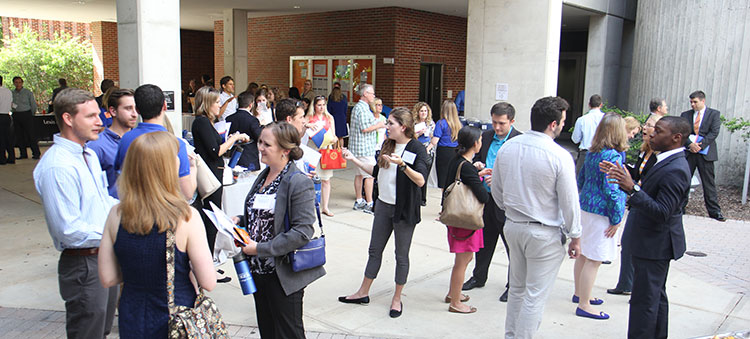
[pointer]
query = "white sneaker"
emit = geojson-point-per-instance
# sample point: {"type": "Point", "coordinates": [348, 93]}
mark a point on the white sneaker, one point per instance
{"type": "Point", "coordinates": [368, 209]}
{"type": "Point", "coordinates": [359, 205]}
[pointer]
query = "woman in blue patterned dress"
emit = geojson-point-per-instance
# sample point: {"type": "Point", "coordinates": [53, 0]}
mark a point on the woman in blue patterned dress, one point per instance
{"type": "Point", "coordinates": [602, 208]}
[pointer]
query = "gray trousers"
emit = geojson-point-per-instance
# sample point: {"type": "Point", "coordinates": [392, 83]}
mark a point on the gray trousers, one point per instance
{"type": "Point", "coordinates": [536, 253]}
{"type": "Point", "coordinates": [89, 307]}
{"type": "Point", "coordinates": [382, 227]}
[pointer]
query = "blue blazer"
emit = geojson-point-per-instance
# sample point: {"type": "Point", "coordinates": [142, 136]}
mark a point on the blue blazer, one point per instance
{"type": "Point", "coordinates": [656, 212]}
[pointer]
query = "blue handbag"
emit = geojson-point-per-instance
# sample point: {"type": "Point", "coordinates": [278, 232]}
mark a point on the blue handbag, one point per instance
{"type": "Point", "coordinates": [312, 254]}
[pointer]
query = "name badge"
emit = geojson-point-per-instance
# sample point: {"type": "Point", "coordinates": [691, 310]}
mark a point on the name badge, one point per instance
{"type": "Point", "coordinates": [409, 157]}
{"type": "Point", "coordinates": [264, 202]}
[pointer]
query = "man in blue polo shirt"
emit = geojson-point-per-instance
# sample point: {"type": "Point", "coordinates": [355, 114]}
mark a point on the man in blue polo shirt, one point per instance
{"type": "Point", "coordinates": [150, 104]}
{"type": "Point", "coordinates": [121, 107]}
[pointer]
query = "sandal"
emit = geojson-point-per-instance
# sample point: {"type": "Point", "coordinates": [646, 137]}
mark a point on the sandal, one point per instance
{"type": "Point", "coordinates": [327, 213]}
{"type": "Point", "coordinates": [452, 309]}
{"type": "Point", "coordinates": [464, 298]}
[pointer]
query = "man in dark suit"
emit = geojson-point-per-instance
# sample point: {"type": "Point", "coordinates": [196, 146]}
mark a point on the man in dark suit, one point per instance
{"type": "Point", "coordinates": [245, 122]}
{"type": "Point", "coordinates": [706, 125]}
{"type": "Point", "coordinates": [655, 220]}
{"type": "Point", "coordinates": [503, 116]}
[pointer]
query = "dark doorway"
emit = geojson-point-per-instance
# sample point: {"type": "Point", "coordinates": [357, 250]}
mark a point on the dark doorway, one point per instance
{"type": "Point", "coordinates": [570, 81]}
{"type": "Point", "coordinates": [431, 87]}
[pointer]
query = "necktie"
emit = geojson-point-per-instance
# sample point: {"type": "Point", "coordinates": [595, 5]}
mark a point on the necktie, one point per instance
{"type": "Point", "coordinates": [697, 123]}
{"type": "Point", "coordinates": [643, 163]}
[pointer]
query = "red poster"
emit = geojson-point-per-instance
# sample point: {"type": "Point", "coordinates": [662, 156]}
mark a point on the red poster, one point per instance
{"type": "Point", "coordinates": [299, 74]}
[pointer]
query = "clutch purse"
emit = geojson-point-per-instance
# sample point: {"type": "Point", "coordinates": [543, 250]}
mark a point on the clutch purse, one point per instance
{"type": "Point", "coordinates": [207, 182]}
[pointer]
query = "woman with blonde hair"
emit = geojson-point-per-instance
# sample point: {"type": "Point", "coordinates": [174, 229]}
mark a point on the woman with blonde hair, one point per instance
{"type": "Point", "coordinates": [602, 208]}
{"type": "Point", "coordinates": [133, 249]}
{"type": "Point", "coordinates": [337, 106]}
{"type": "Point", "coordinates": [424, 127]}
{"type": "Point", "coordinates": [444, 140]}
{"type": "Point", "coordinates": [209, 145]}
{"type": "Point", "coordinates": [646, 160]}
{"type": "Point", "coordinates": [376, 106]}
{"type": "Point", "coordinates": [400, 170]}
{"type": "Point", "coordinates": [317, 118]}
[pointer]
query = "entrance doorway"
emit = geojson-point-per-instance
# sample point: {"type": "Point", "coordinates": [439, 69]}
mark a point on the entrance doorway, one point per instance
{"type": "Point", "coordinates": [431, 87]}
{"type": "Point", "coordinates": [570, 81]}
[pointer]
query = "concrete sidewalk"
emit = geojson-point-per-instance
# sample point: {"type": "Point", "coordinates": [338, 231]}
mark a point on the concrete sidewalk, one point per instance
{"type": "Point", "coordinates": [707, 294]}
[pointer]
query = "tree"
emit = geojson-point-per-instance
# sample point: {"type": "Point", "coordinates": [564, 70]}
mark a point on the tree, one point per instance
{"type": "Point", "coordinates": [40, 62]}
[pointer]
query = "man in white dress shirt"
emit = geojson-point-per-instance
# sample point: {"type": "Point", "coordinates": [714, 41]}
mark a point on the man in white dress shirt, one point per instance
{"type": "Point", "coordinates": [585, 128]}
{"type": "Point", "coordinates": [540, 198]}
{"type": "Point", "coordinates": [227, 100]}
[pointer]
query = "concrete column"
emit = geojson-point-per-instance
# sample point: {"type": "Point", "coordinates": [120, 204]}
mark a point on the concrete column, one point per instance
{"type": "Point", "coordinates": [516, 43]}
{"type": "Point", "coordinates": [603, 58]}
{"type": "Point", "coordinates": [149, 48]}
{"type": "Point", "coordinates": [235, 48]}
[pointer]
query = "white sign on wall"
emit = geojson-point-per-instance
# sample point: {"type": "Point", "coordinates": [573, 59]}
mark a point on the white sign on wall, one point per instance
{"type": "Point", "coordinates": [501, 91]}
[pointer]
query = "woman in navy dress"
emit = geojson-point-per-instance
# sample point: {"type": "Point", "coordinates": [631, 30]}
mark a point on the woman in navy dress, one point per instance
{"type": "Point", "coordinates": [337, 106]}
{"type": "Point", "coordinates": [133, 246]}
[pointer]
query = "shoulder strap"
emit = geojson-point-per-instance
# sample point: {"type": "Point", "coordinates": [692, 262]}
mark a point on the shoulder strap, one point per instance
{"type": "Point", "coordinates": [170, 270]}
{"type": "Point", "coordinates": [458, 171]}
{"type": "Point", "coordinates": [287, 224]}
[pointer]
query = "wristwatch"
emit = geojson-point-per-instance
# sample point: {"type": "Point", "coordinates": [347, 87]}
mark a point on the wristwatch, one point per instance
{"type": "Point", "coordinates": [635, 189]}
{"type": "Point", "coordinates": [402, 167]}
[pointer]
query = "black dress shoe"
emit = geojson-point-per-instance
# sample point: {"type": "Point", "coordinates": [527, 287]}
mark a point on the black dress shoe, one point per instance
{"type": "Point", "coordinates": [471, 284]}
{"type": "Point", "coordinates": [224, 280]}
{"type": "Point", "coordinates": [394, 313]}
{"type": "Point", "coordinates": [361, 301]}
{"type": "Point", "coordinates": [618, 291]}
{"type": "Point", "coordinates": [35, 156]}
{"type": "Point", "coordinates": [504, 297]}
{"type": "Point", "coordinates": [719, 217]}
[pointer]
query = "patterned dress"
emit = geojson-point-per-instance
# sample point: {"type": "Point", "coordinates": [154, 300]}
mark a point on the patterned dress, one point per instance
{"type": "Point", "coordinates": [260, 224]}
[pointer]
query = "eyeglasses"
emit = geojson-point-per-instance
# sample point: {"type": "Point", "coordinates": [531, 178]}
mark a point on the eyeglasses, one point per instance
{"type": "Point", "coordinates": [320, 97]}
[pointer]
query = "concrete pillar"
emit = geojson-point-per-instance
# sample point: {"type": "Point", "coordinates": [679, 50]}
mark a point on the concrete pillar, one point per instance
{"type": "Point", "coordinates": [235, 48]}
{"type": "Point", "coordinates": [515, 43]}
{"type": "Point", "coordinates": [149, 48]}
{"type": "Point", "coordinates": [603, 58]}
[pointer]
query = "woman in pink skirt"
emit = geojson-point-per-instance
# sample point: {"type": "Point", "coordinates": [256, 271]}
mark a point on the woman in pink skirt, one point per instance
{"type": "Point", "coordinates": [461, 241]}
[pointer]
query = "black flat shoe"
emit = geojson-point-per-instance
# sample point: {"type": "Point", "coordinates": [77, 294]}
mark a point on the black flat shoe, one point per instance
{"type": "Point", "coordinates": [360, 301]}
{"type": "Point", "coordinates": [224, 280]}
{"type": "Point", "coordinates": [618, 291]}
{"type": "Point", "coordinates": [504, 297]}
{"type": "Point", "coordinates": [471, 284]}
{"type": "Point", "coordinates": [395, 314]}
{"type": "Point", "coordinates": [719, 217]}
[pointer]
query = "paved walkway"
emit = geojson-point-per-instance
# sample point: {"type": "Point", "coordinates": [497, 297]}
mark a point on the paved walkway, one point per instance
{"type": "Point", "coordinates": [707, 294]}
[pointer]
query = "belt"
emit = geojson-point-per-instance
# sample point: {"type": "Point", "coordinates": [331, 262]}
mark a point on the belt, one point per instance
{"type": "Point", "coordinates": [81, 252]}
{"type": "Point", "coordinates": [526, 222]}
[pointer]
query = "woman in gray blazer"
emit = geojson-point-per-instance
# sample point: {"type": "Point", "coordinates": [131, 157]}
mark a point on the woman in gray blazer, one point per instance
{"type": "Point", "coordinates": [278, 191]}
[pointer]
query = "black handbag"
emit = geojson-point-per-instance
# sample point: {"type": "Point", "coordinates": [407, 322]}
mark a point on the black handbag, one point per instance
{"type": "Point", "coordinates": [312, 254]}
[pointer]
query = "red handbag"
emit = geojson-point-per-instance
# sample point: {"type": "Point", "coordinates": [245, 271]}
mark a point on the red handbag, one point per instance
{"type": "Point", "coordinates": [332, 158]}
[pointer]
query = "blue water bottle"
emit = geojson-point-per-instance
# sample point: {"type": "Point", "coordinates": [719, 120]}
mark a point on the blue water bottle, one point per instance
{"type": "Point", "coordinates": [316, 182]}
{"type": "Point", "coordinates": [235, 156]}
{"type": "Point", "coordinates": [243, 273]}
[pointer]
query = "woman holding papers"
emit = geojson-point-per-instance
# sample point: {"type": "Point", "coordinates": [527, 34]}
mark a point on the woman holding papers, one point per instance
{"type": "Point", "coordinates": [133, 247]}
{"type": "Point", "coordinates": [261, 109]}
{"type": "Point", "coordinates": [209, 145]}
{"type": "Point", "coordinates": [280, 190]}
{"type": "Point", "coordinates": [401, 170]}
{"type": "Point", "coordinates": [322, 131]}
{"type": "Point", "coordinates": [423, 128]}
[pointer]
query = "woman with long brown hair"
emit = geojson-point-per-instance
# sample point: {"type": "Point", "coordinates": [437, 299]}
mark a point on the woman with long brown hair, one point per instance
{"type": "Point", "coordinates": [401, 170]}
{"type": "Point", "coordinates": [317, 118]}
{"type": "Point", "coordinates": [133, 247]}
{"type": "Point", "coordinates": [444, 140]}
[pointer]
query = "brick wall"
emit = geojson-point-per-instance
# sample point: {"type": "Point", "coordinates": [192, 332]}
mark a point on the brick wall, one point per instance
{"type": "Point", "coordinates": [218, 51]}
{"type": "Point", "coordinates": [104, 39]}
{"type": "Point", "coordinates": [409, 36]}
{"type": "Point", "coordinates": [46, 28]}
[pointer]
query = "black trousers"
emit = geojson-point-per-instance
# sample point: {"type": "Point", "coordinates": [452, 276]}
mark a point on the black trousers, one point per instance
{"type": "Point", "coordinates": [649, 307]}
{"type": "Point", "coordinates": [706, 172]}
{"type": "Point", "coordinates": [89, 307]}
{"type": "Point", "coordinates": [279, 315]}
{"type": "Point", "coordinates": [7, 140]}
{"type": "Point", "coordinates": [24, 128]}
{"type": "Point", "coordinates": [494, 223]}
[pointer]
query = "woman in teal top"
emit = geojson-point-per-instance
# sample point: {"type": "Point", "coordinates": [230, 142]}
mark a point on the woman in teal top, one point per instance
{"type": "Point", "coordinates": [602, 208]}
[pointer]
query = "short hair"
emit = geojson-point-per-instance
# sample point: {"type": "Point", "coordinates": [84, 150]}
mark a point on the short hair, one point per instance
{"type": "Point", "coordinates": [655, 103]}
{"type": "Point", "coordinates": [17, 77]}
{"type": "Point", "coordinates": [698, 94]}
{"type": "Point", "coordinates": [245, 99]}
{"type": "Point", "coordinates": [114, 98]}
{"type": "Point", "coordinates": [375, 102]}
{"type": "Point", "coordinates": [546, 110]}
{"type": "Point", "coordinates": [503, 108]}
{"type": "Point", "coordinates": [467, 137]}
{"type": "Point", "coordinates": [224, 80]}
{"type": "Point", "coordinates": [68, 100]}
{"type": "Point", "coordinates": [106, 84]}
{"type": "Point", "coordinates": [62, 82]}
{"type": "Point", "coordinates": [204, 98]}
{"type": "Point", "coordinates": [595, 101]}
{"type": "Point", "coordinates": [678, 125]}
{"type": "Point", "coordinates": [149, 100]}
{"type": "Point", "coordinates": [287, 137]}
{"type": "Point", "coordinates": [287, 108]}
{"type": "Point", "coordinates": [610, 134]}
{"type": "Point", "coordinates": [364, 87]}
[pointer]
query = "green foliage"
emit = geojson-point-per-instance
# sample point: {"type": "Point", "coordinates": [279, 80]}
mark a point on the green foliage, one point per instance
{"type": "Point", "coordinates": [41, 62]}
{"type": "Point", "coordinates": [737, 124]}
{"type": "Point", "coordinates": [637, 141]}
